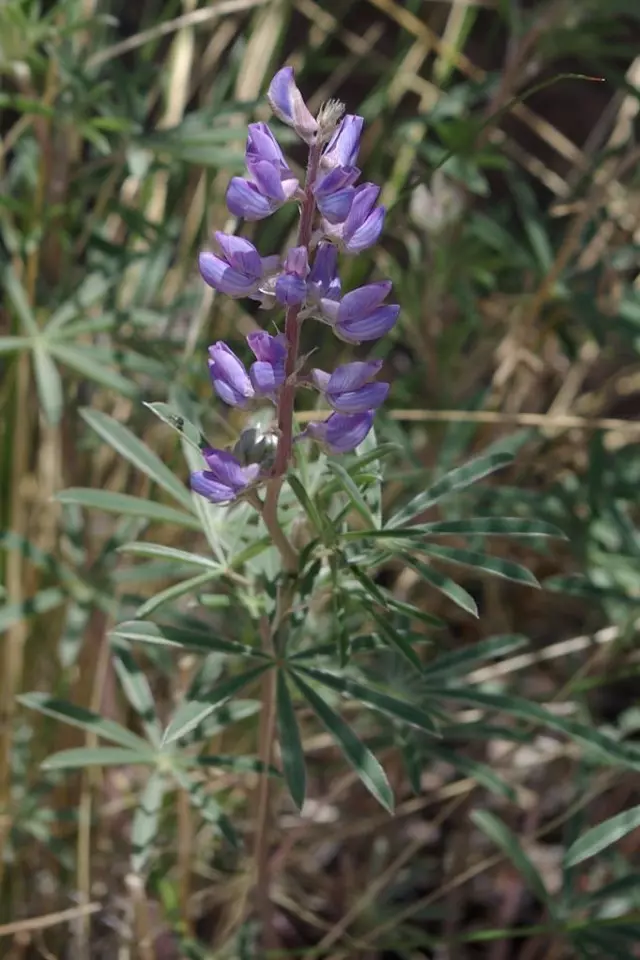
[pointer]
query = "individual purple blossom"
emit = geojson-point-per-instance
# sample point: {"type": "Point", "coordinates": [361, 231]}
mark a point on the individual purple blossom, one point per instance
{"type": "Point", "coordinates": [272, 183]}
{"type": "Point", "coordinates": [342, 149]}
{"type": "Point", "coordinates": [334, 193]}
{"type": "Point", "coordinates": [364, 223]}
{"type": "Point", "coordinates": [288, 105]}
{"type": "Point", "coordinates": [291, 285]}
{"type": "Point", "coordinates": [323, 281]}
{"type": "Point", "coordinates": [239, 270]}
{"type": "Point", "coordinates": [225, 478]}
{"type": "Point", "coordinates": [361, 314]}
{"type": "Point", "coordinates": [341, 433]}
{"type": "Point", "coordinates": [267, 374]}
{"type": "Point", "coordinates": [228, 375]}
{"type": "Point", "coordinates": [349, 389]}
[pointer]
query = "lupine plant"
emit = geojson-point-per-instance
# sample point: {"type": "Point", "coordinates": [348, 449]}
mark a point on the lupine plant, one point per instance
{"type": "Point", "coordinates": [299, 537]}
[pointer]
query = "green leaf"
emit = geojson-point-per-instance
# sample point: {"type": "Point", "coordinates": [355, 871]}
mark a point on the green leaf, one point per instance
{"type": "Point", "coordinates": [207, 804]}
{"type": "Point", "coordinates": [291, 748]}
{"type": "Point", "coordinates": [402, 710]}
{"type": "Point", "coordinates": [398, 639]}
{"type": "Point", "coordinates": [173, 592]}
{"type": "Point", "coordinates": [307, 503]}
{"type": "Point", "coordinates": [91, 365]}
{"type": "Point", "coordinates": [91, 290]}
{"type": "Point", "coordinates": [146, 819]}
{"type": "Point", "coordinates": [79, 757]}
{"type": "Point", "coordinates": [143, 549]}
{"type": "Point", "coordinates": [456, 663]}
{"type": "Point", "coordinates": [125, 504]}
{"type": "Point", "coordinates": [491, 526]}
{"type": "Point", "coordinates": [497, 831]}
{"type": "Point", "coordinates": [187, 430]}
{"type": "Point", "coordinates": [444, 584]}
{"type": "Point", "coordinates": [42, 602]}
{"type": "Point", "coordinates": [11, 344]}
{"type": "Point", "coordinates": [18, 299]}
{"type": "Point", "coordinates": [137, 690]}
{"type": "Point", "coordinates": [235, 764]}
{"type": "Point", "coordinates": [182, 638]}
{"type": "Point", "coordinates": [604, 835]}
{"type": "Point", "coordinates": [359, 756]}
{"type": "Point", "coordinates": [137, 453]}
{"type": "Point", "coordinates": [457, 479]}
{"type": "Point", "coordinates": [191, 713]}
{"type": "Point", "coordinates": [497, 566]}
{"type": "Point", "coordinates": [351, 490]}
{"type": "Point", "coordinates": [468, 767]}
{"type": "Point", "coordinates": [84, 719]}
{"type": "Point", "coordinates": [49, 384]}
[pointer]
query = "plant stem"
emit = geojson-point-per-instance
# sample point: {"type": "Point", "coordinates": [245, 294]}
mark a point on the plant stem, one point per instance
{"type": "Point", "coordinates": [264, 807]}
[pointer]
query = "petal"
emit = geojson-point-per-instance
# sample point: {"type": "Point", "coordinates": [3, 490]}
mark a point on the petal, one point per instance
{"type": "Point", "coordinates": [342, 149]}
{"type": "Point", "coordinates": [240, 253]}
{"type": "Point", "coordinates": [287, 104]}
{"type": "Point", "coordinates": [297, 262]}
{"type": "Point", "coordinates": [245, 200]}
{"type": "Point", "coordinates": [269, 265]}
{"type": "Point", "coordinates": [368, 397]}
{"type": "Point", "coordinates": [323, 270]}
{"type": "Point", "coordinates": [366, 235]}
{"type": "Point", "coordinates": [290, 289]}
{"type": "Point", "coordinates": [266, 348]}
{"type": "Point", "coordinates": [228, 394]}
{"type": "Point", "coordinates": [320, 379]}
{"type": "Point", "coordinates": [204, 483]}
{"type": "Point", "coordinates": [329, 310]}
{"type": "Point", "coordinates": [336, 179]}
{"type": "Point", "coordinates": [371, 327]}
{"type": "Point", "coordinates": [266, 378]}
{"type": "Point", "coordinates": [363, 204]}
{"type": "Point", "coordinates": [225, 468]}
{"type": "Point", "coordinates": [352, 376]}
{"type": "Point", "coordinates": [218, 274]}
{"type": "Point", "coordinates": [267, 178]}
{"type": "Point", "coordinates": [363, 300]}
{"type": "Point", "coordinates": [342, 433]}
{"type": "Point", "coordinates": [262, 145]}
{"type": "Point", "coordinates": [229, 376]}
{"type": "Point", "coordinates": [335, 207]}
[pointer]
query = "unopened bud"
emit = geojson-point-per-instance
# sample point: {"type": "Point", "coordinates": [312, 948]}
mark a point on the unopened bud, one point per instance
{"type": "Point", "coordinates": [257, 446]}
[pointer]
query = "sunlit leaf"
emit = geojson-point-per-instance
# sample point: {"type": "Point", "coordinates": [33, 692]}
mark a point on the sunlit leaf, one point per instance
{"type": "Point", "coordinates": [191, 713]}
{"type": "Point", "coordinates": [182, 638]}
{"type": "Point", "coordinates": [144, 826]}
{"type": "Point", "coordinates": [84, 719]}
{"type": "Point", "coordinates": [444, 584]}
{"type": "Point", "coordinates": [604, 835]}
{"type": "Point", "coordinates": [80, 757]}
{"type": "Point", "coordinates": [496, 566]}
{"type": "Point", "coordinates": [125, 504]}
{"type": "Point", "coordinates": [49, 384]}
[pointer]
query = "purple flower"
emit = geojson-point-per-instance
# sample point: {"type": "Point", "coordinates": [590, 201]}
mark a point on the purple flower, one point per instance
{"type": "Point", "coordinates": [364, 223]}
{"type": "Point", "coordinates": [225, 479]}
{"type": "Point", "coordinates": [229, 378]}
{"type": "Point", "coordinates": [349, 388]}
{"type": "Point", "coordinates": [287, 104]}
{"type": "Point", "coordinates": [291, 285]}
{"type": "Point", "coordinates": [240, 269]}
{"type": "Point", "coordinates": [361, 315]}
{"type": "Point", "coordinates": [334, 193]}
{"type": "Point", "coordinates": [341, 433]}
{"type": "Point", "coordinates": [342, 149]}
{"type": "Point", "coordinates": [272, 182]}
{"type": "Point", "coordinates": [268, 372]}
{"type": "Point", "coordinates": [323, 280]}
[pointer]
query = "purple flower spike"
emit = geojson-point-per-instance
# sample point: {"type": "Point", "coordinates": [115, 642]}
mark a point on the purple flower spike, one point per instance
{"type": "Point", "coordinates": [268, 372]}
{"type": "Point", "coordinates": [287, 104]}
{"type": "Point", "coordinates": [349, 388]}
{"type": "Point", "coordinates": [324, 281]}
{"type": "Point", "coordinates": [228, 376]}
{"type": "Point", "coordinates": [240, 269]}
{"type": "Point", "coordinates": [341, 433]}
{"type": "Point", "coordinates": [342, 149]}
{"type": "Point", "coordinates": [291, 286]}
{"type": "Point", "coordinates": [225, 479]}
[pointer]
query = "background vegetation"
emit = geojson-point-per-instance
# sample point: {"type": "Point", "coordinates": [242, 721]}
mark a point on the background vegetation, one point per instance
{"type": "Point", "coordinates": [516, 265]}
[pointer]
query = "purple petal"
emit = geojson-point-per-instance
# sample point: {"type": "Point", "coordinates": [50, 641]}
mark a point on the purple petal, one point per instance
{"type": "Point", "coordinates": [342, 149]}
{"type": "Point", "coordinates": [218, 274]}
{"type": "Point", "coordinates": [323, 271]}
{"type": "Point", "coordinates": [341, 433]}
{"type": "Point", "coordinates": [297, 262]}
{"type": "Point", "coordinates": [266, 348]}
{"type": "Point", "coordinates": [335, 207]}
{"type": "Point", "coordinates": [368, 397]}
{"type": "Point", "coordinates": [371, 327]}
{"type": "Point", "coordinates": [270, 265]}
{"type": "Point", "coordinates": [363, 204]}
{"type": "Point", "coordinates": [245, 200]}
{"type": "Point", "coordinates": [268, 180]}
{"type": "Point", "coordinates": [262, 145]}
{"type": "Point", "coordinates": [290, 289]}
{"type": "Point", "coordinates": [228, 375]}
{"type": "Point", "coordinates": [320, 379]}
{"type": "Point", "coordinates": [363, 300]}
{"type": "Point", "coordinates": [367, 234]}
{"type": "Point", "coordinates": [266, 378]}
{"type": "Point", "coordinates": [227, 470]}
{"type": "Point", "coordinates": [336, 179]}
{"type": "Point", "coordinates": [204, 483]}
{"type": "Point", "coordinates": [287, 104]}
{"type": "Point", "coordinates": [329, 310]}
{"type": "Point", "coordinates": [352, 376]}
{"type": "Point", "coordinates": [240, 253]}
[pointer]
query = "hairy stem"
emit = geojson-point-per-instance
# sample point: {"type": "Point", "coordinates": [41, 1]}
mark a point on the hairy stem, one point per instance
{"type": "Point", "coordinates": [263, 812]}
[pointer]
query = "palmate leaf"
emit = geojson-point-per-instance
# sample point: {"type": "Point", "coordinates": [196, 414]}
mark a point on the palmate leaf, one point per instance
{"type": "Point", "coordinates": [496, 566]}
{"type": "Point", "coordinates": [80, 757]}
{"type": "Point", "coordinates": [445, 585]}
{"type": "Point", "coordinates": [602, 836]}
{"type": "Point", "coordinates": [126, 505]}
{"type": "Point", "coordinates": [144, 549]}
{"type": "Point", "coordinates": [173, 592]}
{"type": "Point", "coordinates": [388, 632]}
{"type": "Point", "coordinates": [457, 479]}
{"type": "Point", "coordinates": [84, 719]}
{"type": "Point", "coordinates": [497, 831]}
{"type": "Point", "coordinates": [291, 749]}
{"type": "Point", "coordinates": [144, 827]}
{"type": "Point", "coordinates": [49, 384]}
{"type": "Point", "coordinates": [187, 637]}
{"type": "Point", "coordinates": [91, 364]}
{"type": "Point", "coordinates": [402, 710]}
{"type": "Point", "coordinates": [137, 453]}
{"type": "Point", "coordinates": [359, 756]}
{"type": "Point", "coordinates": [137, 690]}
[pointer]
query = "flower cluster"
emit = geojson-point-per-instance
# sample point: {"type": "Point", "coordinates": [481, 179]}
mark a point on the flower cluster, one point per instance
{"type": "Point", "coordinates": [336, 216]}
